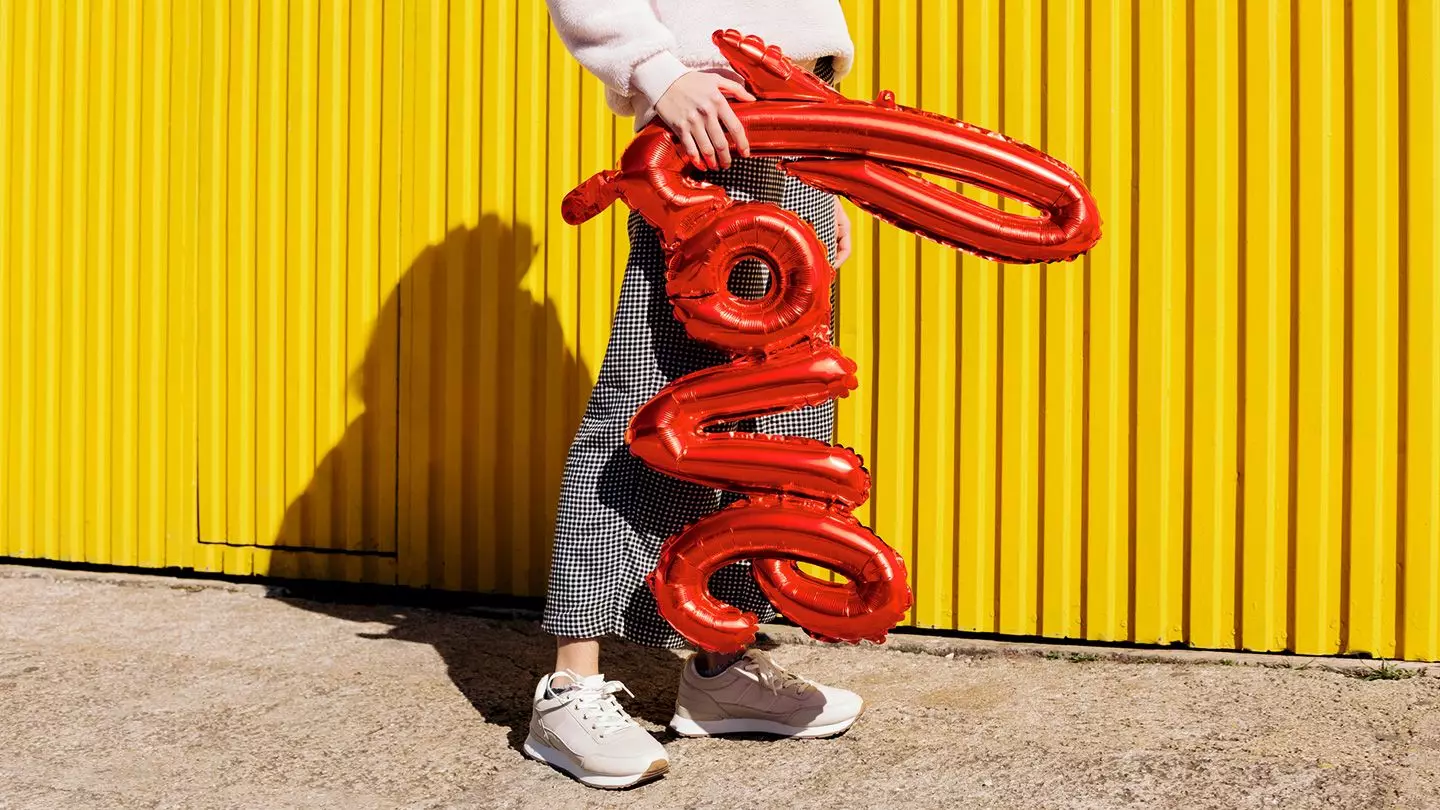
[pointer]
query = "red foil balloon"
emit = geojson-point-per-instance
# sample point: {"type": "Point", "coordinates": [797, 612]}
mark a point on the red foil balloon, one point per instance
{"type": "Point", "coordinates": [800, 492]}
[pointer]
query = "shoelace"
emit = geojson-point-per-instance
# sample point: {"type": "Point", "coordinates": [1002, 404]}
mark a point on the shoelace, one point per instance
{"type": "Point", "coordinates": [772, 676]}
{"type": "Point", "coordinates": [598, 706]}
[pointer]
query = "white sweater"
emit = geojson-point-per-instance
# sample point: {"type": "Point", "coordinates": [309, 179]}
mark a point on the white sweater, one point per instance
{"type": "Point", "coordinates": [639, 47]}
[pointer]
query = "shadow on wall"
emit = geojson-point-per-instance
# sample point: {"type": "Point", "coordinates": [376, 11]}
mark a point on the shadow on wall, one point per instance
{"type": "Point", "coordinates": [422, 423]}
{"type": "Point", "coordinates": [459, 348]}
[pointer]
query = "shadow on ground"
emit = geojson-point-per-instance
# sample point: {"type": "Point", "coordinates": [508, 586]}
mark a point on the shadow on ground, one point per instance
{"type": "Point", "coordinates": [496, 663]}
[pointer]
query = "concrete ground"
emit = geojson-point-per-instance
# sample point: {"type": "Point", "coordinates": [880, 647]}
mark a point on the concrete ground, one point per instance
{"type": "Point", "coordinates": [122, 691]}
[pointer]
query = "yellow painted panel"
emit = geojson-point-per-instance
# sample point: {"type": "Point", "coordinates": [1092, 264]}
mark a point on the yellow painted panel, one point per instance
{"type": "Point", "coordinates": [1062, 365]}
{"type": "Point", "coordinates": [1420, 569]}
{"type": "Point", "coordinates": [531, 510]}
{"type": "Point", "coordinates": [50, 89]}
{"type": "Point", "coordinates": [237, 502]}
{"type": "Point", "coordinates": [1266, 321]}
{"type": "Point", "coordinates": [213, 141]}
{"type": "Point", "coordinates": [938, 315]}
{"type": "Point", "coordinates": [1109, 532]}
{"type": "Point", "coordinates": [1162, 340]}
{"type": "Point", "coordinates": [1215, 357]}
{"type": "Point", "coordinates": [854, 318]}
{"type": "Point", "coordinates": [980, 94]}
{"type": "Point", "coordinates": [286, 292]}
{"type": "Point", "coordinates": [1321, 285]}
{"type": "Point", "coordinates": [70, 274]}
{"type": "Point", "coordinates": [504, 355]}
{"type": "Point", "coordinates": [1019, 345]}
{"type": "Point", "coordinates": [892, 460]}
{"type": "Point", "coordinates": [8, 304]}
{"type": "Point", "coordinates": [99, 216]}
{"type": "Point", "coordinates": [1375, 286]}
{"type": "Point", "coordinates": [125, 540]}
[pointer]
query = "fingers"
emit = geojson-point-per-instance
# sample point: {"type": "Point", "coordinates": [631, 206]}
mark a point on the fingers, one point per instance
{"type": "Point", "coordinates": [695, 127]}
{"type": "Point", "coordinates": [696, 108]}
{"type": "Point", "coordinates": [842, 234]}
{"type": "Point", "coordinates": [734, 90]}
{"type": "Point", "coordinates": [691, 150]}
{"type": "Point", "coordinates": [736, 130]}
{"type": "Point", "coordinates": [716, 131]}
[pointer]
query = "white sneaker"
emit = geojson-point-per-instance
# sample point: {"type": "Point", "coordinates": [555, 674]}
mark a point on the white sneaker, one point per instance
{"type": "Point", "coordinates": [757, 695]}
{"type": "Point", "coordinates": [584, 732]}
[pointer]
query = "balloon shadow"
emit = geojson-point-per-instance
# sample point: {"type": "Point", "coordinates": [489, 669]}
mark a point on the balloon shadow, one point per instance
{"type": "Point", "coordinates": [351, 501]}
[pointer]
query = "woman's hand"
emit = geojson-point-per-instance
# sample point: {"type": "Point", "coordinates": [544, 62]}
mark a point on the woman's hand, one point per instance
{"type": "Point", "coordinates": [842, 234]}
{"type": "Point", "coordinates": [697, 111]}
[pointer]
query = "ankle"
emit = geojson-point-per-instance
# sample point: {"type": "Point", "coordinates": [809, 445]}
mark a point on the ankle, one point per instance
{"type": "Point", "coordinates": [710, 664]}
{"type": "Point", "coordinates": [579, 657]}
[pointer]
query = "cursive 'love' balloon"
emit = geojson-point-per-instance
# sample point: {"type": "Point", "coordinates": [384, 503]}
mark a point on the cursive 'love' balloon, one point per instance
{"type": "Point", "coordinates": [801, 493]}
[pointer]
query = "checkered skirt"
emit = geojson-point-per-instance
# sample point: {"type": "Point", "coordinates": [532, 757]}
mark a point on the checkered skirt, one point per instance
{"type": "Point", "coordinates": [614, 511]}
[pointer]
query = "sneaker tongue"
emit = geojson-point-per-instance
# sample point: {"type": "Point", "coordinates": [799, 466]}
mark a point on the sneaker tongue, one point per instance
{"type": "Point", "coordinates": [592, 681]}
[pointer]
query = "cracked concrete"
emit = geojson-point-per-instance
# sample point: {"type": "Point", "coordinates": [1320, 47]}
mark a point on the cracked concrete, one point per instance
{"type": "Point", "coordinates": [122, 691]}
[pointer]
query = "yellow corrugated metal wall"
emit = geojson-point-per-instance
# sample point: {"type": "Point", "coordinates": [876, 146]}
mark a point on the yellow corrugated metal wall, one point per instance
{"type": "Point", "coordinates": [285, 290]}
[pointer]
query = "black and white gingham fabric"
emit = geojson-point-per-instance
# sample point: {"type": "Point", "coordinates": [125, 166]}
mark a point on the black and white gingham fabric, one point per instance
{"type": "Point", "coordinates": [614, 511]}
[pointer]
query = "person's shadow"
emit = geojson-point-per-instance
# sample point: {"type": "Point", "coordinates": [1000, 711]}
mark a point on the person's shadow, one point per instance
{"type": "Point", "coordinates": [352, 494]}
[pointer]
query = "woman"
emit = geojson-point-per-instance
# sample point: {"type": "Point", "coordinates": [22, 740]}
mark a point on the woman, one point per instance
{"type": "Point", "coordinates": [657, 60]}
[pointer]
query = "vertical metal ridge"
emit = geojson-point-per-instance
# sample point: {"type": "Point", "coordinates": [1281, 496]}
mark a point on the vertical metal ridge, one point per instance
{"type": "Point", "coordinates": [1348, 336]}
{"type": "Point", "coordinates": [387, 455]}
{"type": "Point", "coordinates": [50, 196]}
{"type": "Point", "coordinates": [100, 265]}
{"type": "Point", "coordinates": [534, 520]}
{"type": "Point", "coordinates": [1293, 347]}
{"type": "Point", "coordinates": [1421, 573]}
{"type": "Point", "coordinates": [1087, 307]}
{"type": "Point", "coordinates": [180, 472]}
{"type": "Point", "coordinates": [932, 556]}
{"type": "Point", "coordinates": [1065, 134]}
{"type": "Point", "coordinates": [240, 448]}
{"type": "Point", "coordinates": [272, 213]}
{"type": "Point", "coordinates": [297, 351]}
{"type": "Point", "coordinates": [23, 205]}
{"type": "Point", "coordinates": [997, 394]}
{"type": "Point", "coordinates": [153, 406]}
{"type": "Point", "coordinates": [461, 282]}
{"type": "Point", "coordinates": [559, 252]}
{"type": "Point", "coordinates": [1159, 304]}
{"type": "Point", "coordinates": [1213, 453]}
{"type": "Point", "coordinates": [7, 110]}
{"type": "Point", "coordinates": [72, 467]}
{"type": "Point", "coordinates": [372, 305]}
{"type": "Point", "coordinates": [1017, 539]}
{"type": "Point", "coordinates": [1375, 307]}
{"type": "Point", "coordinates": [1187, 429]}
{"type": "Point", "coordinates": [509, 535]}
{"type": "Point", "coordinates": [1110, 181]}
{"type": "Point", "coordinates": [1319, 416]}
{"type": "Point", "coordinates": [894, 450]}
{"type": "Point", "coordinates": [8, 273]}
{"type": "Point", "coordinates": [212, 271]}
{"type": "Point", "coordinates": [979, 355]}
{"type": "Point", "coordinates": [124, 543]}
{"type": "Point", "coordinates": [1402, 385]}
{"type": "Point", "coordinates": [1132, 345]}
{"type": "Point", "coordinates": [325, 485]}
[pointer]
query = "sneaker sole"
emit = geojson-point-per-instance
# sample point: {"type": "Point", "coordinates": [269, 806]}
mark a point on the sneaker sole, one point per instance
{"type": "Point", "coordinates": [687, 727]}
{"type": "Point", "coordinates": [563, 762]}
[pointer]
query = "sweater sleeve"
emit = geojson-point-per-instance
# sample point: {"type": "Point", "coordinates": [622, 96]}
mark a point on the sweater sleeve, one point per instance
{"type": "Point", "coordinates": [621, 42]}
